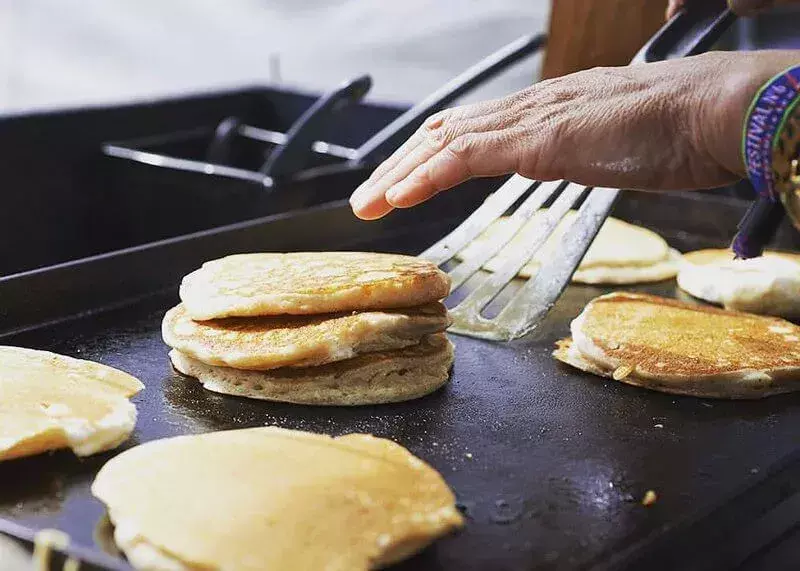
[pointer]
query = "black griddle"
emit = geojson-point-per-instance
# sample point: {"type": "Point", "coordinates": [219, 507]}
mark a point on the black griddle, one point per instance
{"type": "Point", "coordinates": [549, 464]}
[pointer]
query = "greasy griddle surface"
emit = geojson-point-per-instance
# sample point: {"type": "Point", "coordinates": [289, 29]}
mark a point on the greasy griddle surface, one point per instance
{"type": "Point", "coordinates": [548, 463]}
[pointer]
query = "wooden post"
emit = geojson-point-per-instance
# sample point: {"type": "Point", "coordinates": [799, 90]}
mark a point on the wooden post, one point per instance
{"type": "Point", "coordinates": [591, 33]}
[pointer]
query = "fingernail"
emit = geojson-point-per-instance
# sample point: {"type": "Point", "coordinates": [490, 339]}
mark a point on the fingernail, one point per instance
{"type": "Point", "coordinates": [357, 203]}
{"type": "Point", "coordinates": [391, 194]}
{"type": "Point", "coordinates": [396, 193]}
{"type": "Point", "coordinates": [359, 189]}
{"type": "Point", "coordinates": [358, 196]}
{"type": "Point", "coordinates": [434, 122]}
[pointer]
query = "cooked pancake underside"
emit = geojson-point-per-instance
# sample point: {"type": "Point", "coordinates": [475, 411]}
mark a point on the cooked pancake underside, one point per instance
{"type": "Point", "coordinates": [742, 385]}
{"type": "Point", "coordinates": [674, 347]}
{"type": "Point", "coordinates": [261, 343]}
{"type": "Point", "coordinates": [372, 378]}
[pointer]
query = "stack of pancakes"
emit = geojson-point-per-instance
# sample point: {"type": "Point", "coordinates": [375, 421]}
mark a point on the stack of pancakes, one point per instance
{"type": "Point", "coordinates": [323, 328]}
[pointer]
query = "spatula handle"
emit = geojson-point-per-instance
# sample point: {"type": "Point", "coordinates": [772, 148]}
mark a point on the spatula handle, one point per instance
{"type": "Point", "coordinates": [293, 156]}
{"type": "Point", "coordinates": [693, 30]}
{"type": "Point", "coordinates": [385, 141]}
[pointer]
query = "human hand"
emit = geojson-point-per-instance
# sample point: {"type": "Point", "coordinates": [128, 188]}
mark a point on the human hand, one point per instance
{"type": "Point", "coordinates": [666, 125]}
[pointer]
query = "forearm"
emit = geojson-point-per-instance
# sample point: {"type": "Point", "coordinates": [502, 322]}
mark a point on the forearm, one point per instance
{"type": "Point", "coordinates": [718, 129]}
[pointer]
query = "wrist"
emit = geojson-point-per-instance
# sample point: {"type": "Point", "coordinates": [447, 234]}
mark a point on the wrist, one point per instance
{"type": "Point", "coordinates": [765, 119]}
{"type": "Point", "coordinates": [769, 150]}
{"type": "Point", "coordinates": [723, 116]}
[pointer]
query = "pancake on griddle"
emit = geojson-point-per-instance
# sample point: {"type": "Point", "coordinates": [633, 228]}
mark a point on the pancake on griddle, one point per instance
{"type": "Point", "coordinates": [621, 253]}
{"type": "Point", "coordinates": [767, 285]}
{"type": "Point", "coordinates": [49, 402]}
{"type": "Point", "coordinates": [260, 343]}
{"type": "Point", "coordinates": [320, 328]}
{"type": "Point", "coordinates": [263, 499]}
{"type": "Point", "coordinates": [675, 347]}
{"type": "Point", "coordinates": [371, 378]}
{"type": "Point", "coordinates": [307, 283]}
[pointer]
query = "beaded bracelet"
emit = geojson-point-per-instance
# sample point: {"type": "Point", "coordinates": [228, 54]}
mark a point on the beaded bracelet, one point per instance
{"type": "Point", "coordinates": [769, 124]}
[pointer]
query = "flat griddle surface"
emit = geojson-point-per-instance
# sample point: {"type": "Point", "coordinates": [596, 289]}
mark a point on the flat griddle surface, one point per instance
{"type": "Point", "coordinates": [548, 463]}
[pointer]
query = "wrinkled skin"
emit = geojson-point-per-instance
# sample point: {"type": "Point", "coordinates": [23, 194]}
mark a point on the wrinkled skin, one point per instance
{"type": "Point", "coordinates": [661, 126]}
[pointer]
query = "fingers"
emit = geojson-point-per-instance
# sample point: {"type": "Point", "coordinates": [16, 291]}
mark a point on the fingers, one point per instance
{"type": "Point", "coordinates": [369, 201]}
{"type": "Point", "coordinates": [457, 114]}
{"type": "Point", "coordinates": [470, 155]}
{"type": "Point", "coordinates": [441, 154]}
{"type": "Point", "coordinates": [369, 206]}
{"type": "Point", "coordinates": [410, 145]}
{"type": "Point", "coordinates": [673, 7]}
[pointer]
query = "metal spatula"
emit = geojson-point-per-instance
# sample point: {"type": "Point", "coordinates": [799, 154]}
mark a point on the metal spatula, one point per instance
{"type": "Point", "coordinates": [690, 32]}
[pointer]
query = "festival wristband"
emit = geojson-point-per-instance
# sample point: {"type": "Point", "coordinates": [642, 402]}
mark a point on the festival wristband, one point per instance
{"type": "Point", "coordinates": [762, 147]}
{"type": "Point", "coordinates": [762, 125]}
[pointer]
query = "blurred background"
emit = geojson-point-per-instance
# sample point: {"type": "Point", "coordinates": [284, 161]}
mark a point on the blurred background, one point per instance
{"type": "Point", "coordinates": [70, 52]}
{"type": "Point", "coordinates": [56, 53]}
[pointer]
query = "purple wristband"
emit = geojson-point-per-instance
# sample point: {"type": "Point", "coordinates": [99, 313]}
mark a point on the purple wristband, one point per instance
{"type": "Point", "coordinates": [761, 127]}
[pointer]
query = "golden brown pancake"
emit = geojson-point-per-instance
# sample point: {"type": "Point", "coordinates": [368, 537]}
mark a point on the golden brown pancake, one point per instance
{"type": "Point", "coordinates": [675, 347]}
{"type": "Point", "coordinates": [260, 343]}
{"type": "Point", "coordinates": [768, 285]}
{"type": "Point", "coordinates": [371, 378]}
{"type": "Point", "coordinates": [49, 402]}
{"type": "Point", "coordinates": [621, 253]}
{"type": "Point", "coordinates": [304, 283]}
{"type": "Point", "coordinates": [267, 498]}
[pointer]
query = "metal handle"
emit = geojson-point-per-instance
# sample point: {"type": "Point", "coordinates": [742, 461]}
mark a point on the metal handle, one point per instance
{"type": "Point", "coordinates": [693, 30]}
{"type": "Point", "coordinates": [294, 154]}
{"type": "Point", "coordinates": [389, 138]}
{"type": "Point", "coordinates": [219, 149]}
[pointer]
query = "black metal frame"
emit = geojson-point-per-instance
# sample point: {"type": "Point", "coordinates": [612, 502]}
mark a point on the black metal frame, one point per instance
{"type": "Point", "coordinates": [64, 200]}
